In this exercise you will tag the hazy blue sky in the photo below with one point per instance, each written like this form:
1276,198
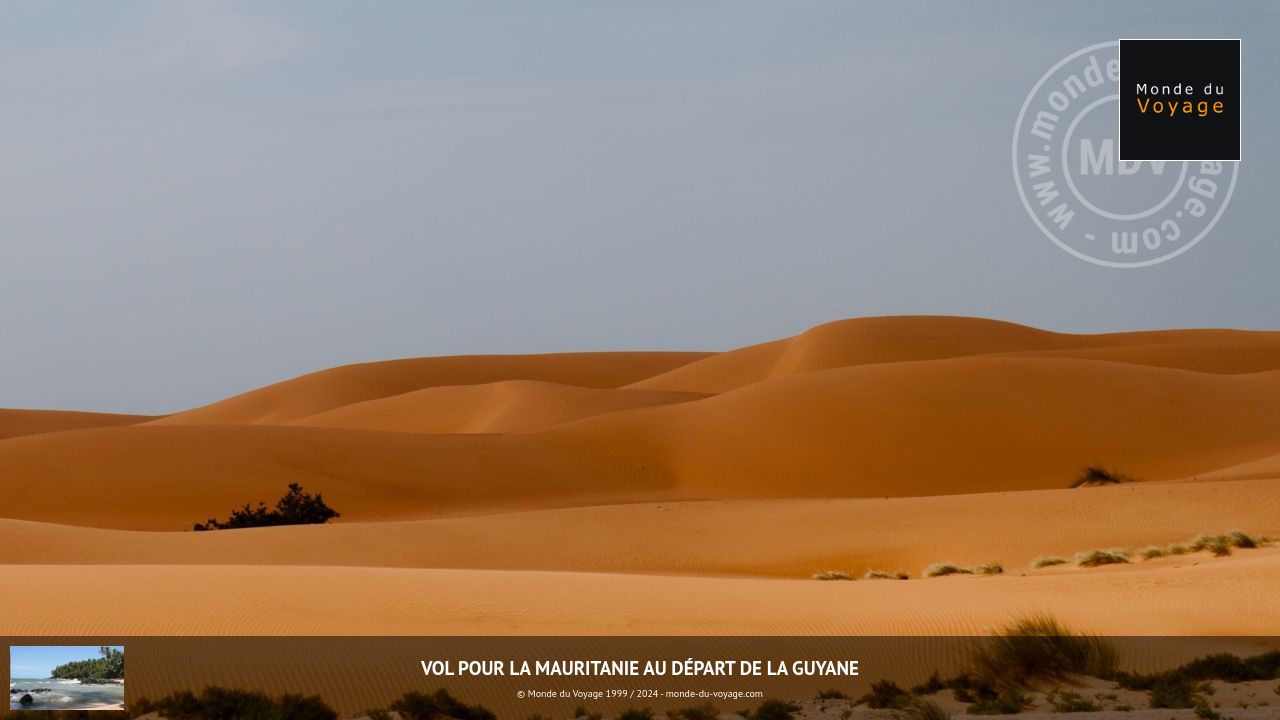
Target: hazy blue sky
38,661
203,197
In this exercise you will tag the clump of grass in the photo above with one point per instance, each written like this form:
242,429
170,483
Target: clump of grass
1242,540
935,684
1204,712
1151,552
1040,648
886,694
926,710
1065,701
1099,557
1219,545
832,575
875,574
1095,475
1173,691
989,569
775,710
1008,702
634,713
832,694
946,568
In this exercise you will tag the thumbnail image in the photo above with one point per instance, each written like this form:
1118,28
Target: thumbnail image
66,677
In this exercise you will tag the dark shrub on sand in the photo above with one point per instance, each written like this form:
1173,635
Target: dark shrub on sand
295,508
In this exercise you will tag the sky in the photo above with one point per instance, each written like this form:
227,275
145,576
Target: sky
38,662
204,197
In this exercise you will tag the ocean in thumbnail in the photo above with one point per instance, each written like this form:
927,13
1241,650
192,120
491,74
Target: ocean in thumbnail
63,695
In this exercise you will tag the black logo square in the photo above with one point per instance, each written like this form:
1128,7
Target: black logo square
1179,99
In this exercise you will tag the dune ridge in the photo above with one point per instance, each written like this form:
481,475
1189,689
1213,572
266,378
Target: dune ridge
987,424
328,389
499,407
20,423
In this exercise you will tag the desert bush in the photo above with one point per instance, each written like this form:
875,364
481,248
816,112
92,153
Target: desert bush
305,707
1177,688
876,574
217,703
1219,545
1094,475
1009,702
1064,701
990,569
636,714
832,694
832,575
1096,558
1242,540
775,710
1234,669
926,710
1039,648
967,688
1207,713
295,508
934,684
438,706
581,712
886,694
1173,691
946,568
1045,561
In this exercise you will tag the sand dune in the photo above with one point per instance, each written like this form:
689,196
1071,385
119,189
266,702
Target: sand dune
328,389
649,493
721,538
846,343
274,600
502,407
945,427
965,425
17,423
167,477
1266,467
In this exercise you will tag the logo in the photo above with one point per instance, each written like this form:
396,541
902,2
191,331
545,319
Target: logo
1107,211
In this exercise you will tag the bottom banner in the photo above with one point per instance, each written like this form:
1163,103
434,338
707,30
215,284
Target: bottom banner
1033,668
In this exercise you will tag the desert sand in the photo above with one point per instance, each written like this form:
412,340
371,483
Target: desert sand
673,493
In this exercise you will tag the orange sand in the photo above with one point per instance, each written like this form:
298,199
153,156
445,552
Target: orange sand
666,493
